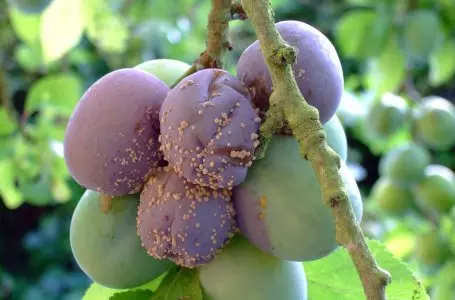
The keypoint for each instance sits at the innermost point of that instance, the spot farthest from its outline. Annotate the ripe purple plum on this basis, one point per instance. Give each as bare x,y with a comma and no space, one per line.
209,129
111,141
317,70
279,207
183,222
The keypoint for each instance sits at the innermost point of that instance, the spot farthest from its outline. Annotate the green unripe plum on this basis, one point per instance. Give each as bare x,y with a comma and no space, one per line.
280,209
386,116
437,189
434,123
391,197
405,164
431,249
30,6
242,271
338,139
168,70
106,246
444,285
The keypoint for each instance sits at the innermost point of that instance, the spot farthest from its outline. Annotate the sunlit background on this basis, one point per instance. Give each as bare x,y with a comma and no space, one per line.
51,51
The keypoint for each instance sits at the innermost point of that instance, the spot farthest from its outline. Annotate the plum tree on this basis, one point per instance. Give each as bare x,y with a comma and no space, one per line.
434,121
386,116
30,6
111,140
436,191
242,271
405,164
106,246
431,249
392,197
209,129
184,222
284,186
317,71
168,70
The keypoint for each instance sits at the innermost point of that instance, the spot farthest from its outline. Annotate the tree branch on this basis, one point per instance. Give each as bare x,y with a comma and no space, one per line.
287,103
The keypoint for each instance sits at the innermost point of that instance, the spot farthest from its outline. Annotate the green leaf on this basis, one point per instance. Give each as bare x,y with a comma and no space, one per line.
8,191
62,26
26,26
442,64
133,295
386,72
7,123
362,33
28,57
335,277
104,28
62,91
182,283
422,33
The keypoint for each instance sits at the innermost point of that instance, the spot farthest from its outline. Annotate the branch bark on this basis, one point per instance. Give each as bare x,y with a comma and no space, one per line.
288,104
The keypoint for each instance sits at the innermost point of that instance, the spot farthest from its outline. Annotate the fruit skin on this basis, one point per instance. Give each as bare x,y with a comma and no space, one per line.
30,6
337,137
106,246
111,141
186,223
391,197
317,70
436,191
386,116
431,250
209,129
434,123
283,186
405,164
242,271
168,70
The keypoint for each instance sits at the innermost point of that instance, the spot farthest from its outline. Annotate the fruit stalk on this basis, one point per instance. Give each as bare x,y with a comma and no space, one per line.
288,104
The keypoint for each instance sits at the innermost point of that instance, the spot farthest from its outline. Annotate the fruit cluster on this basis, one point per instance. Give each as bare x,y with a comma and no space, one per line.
179,166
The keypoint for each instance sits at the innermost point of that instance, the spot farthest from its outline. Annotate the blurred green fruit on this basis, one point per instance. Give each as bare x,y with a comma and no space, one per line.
386,116
434,123
444,284
30,6
391,197
405,164
437,189
431,249
106,246
168,70
422,33
242,271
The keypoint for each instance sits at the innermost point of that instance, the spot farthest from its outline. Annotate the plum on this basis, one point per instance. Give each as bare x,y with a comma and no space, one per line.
106,247
434,122
111,141
168,70
336,137
209,129
392,197
183,222
405,164
436,191
279,206
242,271
431,249
317,71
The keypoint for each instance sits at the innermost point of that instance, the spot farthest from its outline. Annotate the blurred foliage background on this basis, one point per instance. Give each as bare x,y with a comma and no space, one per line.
51,51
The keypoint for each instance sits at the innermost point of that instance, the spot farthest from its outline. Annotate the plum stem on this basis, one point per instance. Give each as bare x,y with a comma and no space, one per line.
287,104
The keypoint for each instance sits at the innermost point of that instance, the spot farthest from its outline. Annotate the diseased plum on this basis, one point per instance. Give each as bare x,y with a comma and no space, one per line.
242,271
386,116
183,222
436,191
392,197
434,123
106,247
209,129
111,142
279,206
405,164
317,71
168,70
